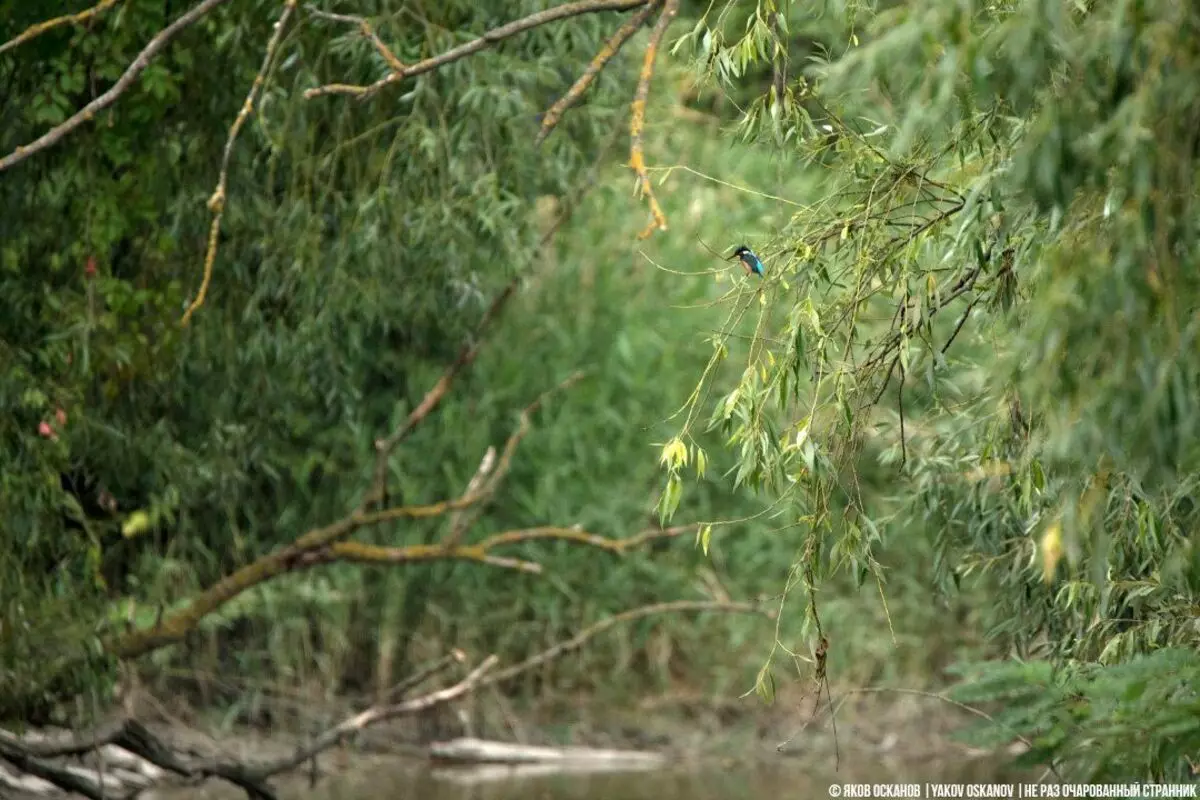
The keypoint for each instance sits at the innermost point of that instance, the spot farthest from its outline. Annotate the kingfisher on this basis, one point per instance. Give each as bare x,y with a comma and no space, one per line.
750,261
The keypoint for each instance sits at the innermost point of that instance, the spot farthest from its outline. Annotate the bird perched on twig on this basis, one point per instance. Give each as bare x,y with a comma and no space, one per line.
750,261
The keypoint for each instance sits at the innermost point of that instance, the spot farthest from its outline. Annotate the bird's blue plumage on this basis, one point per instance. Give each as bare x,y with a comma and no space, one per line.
751,262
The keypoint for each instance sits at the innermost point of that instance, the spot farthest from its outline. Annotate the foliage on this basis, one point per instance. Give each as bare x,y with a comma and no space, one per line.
360,243
980,334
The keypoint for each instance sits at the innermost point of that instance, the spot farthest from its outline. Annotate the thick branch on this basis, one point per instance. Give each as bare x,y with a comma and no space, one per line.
216,203
488,39
33,31
322,545
56,134
637,118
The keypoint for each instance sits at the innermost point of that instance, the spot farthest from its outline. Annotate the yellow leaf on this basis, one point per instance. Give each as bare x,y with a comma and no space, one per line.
1052,551
137,523
705,537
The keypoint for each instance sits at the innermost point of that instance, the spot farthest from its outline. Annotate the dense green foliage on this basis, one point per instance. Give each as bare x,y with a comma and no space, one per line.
360,244
972,365
981,332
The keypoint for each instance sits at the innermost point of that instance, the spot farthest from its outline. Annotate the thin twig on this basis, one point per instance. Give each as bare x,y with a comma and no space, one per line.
216,203
488,39
395,64
88,112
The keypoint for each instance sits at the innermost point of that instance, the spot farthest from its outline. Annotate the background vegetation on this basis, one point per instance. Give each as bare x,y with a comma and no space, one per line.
964,392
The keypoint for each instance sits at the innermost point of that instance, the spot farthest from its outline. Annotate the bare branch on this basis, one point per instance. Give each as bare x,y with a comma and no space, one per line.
580,639
365,28
488,39
637,119
252,777
374,715
216,203
33,31
466,356
461,520
606,53
88,112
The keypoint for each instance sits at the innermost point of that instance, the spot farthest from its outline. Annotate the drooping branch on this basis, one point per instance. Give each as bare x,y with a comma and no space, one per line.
88,112
216,203
637,118
36,30
506,31
601,59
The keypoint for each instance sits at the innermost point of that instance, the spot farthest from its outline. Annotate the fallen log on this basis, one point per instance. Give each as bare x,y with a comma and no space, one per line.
482,751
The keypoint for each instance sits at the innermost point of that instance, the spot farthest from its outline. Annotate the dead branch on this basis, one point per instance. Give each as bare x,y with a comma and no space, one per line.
367,31
637,118
29,754
488,39
461,520
133,736
405,686
580,639
601,59
216,203
88,112
466,356
33,31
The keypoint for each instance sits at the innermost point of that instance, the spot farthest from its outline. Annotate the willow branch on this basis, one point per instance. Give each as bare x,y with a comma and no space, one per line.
597,64
88,112
637,118
488,39
36,30
216,203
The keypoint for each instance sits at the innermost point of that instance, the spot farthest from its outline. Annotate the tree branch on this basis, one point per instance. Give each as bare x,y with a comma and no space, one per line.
33,31
488,39
367,31
601,59
637,118
580,639
216,203
252,777
88,112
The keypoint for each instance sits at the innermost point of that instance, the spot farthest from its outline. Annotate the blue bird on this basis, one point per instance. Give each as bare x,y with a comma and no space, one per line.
750,261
